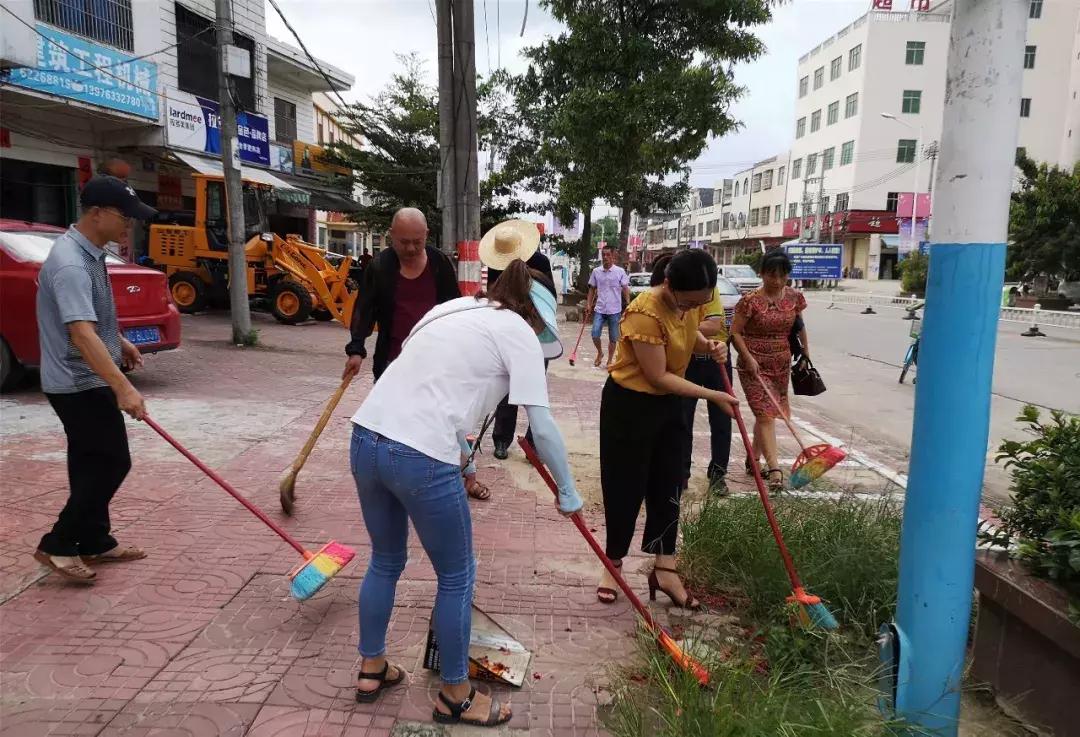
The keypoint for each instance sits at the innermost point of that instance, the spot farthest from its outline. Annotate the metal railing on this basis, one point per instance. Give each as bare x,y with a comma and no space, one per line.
106,21
1034,317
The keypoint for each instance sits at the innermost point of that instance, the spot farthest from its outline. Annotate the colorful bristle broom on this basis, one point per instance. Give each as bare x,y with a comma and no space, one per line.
573,354
814,461
317,568
664,639
809,607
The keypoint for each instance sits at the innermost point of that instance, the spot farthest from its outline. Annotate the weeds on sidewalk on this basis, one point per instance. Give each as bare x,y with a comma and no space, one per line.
772,679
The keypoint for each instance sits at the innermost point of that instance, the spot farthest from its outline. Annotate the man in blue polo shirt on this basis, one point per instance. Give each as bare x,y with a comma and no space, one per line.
82,350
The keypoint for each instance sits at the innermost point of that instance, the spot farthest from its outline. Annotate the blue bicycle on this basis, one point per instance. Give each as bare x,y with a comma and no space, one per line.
911,358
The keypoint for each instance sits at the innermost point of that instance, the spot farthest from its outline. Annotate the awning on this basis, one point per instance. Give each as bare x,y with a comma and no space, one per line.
212,167
324,196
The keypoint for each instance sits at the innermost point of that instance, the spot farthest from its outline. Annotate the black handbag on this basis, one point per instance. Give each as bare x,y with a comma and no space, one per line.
805,379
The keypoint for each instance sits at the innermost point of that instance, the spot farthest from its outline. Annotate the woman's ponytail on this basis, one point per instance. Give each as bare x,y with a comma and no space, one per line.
511,291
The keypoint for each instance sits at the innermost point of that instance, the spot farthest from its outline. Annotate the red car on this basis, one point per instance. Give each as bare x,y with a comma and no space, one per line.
147,315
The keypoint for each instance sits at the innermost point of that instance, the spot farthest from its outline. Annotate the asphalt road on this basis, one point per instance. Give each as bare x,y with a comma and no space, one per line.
859,357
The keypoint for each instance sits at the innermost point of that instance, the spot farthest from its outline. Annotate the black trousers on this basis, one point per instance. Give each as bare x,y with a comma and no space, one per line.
706,372
641,454
98,461
502,432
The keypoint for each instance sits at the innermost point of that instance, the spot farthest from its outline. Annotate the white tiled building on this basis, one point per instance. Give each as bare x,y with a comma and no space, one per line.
86,88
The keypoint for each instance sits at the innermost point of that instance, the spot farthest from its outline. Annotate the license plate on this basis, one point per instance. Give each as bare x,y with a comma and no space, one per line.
143,336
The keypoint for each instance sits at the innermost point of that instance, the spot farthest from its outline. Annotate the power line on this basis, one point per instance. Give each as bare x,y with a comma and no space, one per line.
487,38
307,53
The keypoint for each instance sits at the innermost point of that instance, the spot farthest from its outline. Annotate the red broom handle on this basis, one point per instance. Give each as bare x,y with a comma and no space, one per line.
530,453
580,335
780,410
789,564
227,487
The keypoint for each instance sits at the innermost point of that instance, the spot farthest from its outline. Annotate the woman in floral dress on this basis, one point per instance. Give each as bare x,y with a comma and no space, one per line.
763,320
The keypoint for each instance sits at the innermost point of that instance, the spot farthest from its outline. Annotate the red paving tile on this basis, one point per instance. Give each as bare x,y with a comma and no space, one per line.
202,638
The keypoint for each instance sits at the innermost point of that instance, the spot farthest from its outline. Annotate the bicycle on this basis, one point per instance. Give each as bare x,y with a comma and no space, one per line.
911,357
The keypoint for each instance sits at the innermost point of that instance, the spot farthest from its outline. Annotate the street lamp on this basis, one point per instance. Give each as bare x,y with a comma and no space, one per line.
918,166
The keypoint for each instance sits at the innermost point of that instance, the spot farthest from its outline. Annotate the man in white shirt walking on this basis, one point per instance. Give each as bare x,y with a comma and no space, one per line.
609,290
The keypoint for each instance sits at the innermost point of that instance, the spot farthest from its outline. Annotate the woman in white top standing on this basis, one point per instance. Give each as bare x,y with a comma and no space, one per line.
460,360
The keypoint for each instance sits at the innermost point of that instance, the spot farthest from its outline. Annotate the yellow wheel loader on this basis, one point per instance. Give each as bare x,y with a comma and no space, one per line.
293,279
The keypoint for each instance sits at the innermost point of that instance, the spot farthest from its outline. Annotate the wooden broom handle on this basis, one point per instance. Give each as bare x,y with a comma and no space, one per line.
780,410
321,424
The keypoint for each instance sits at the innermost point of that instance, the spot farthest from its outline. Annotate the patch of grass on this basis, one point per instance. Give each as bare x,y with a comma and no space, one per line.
790,699
846,552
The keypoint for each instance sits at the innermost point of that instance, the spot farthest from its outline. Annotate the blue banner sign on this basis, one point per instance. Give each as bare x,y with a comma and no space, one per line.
815,260
72,67
194,123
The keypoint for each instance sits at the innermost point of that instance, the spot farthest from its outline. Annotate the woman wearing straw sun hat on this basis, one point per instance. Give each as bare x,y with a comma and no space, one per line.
500,245
406,450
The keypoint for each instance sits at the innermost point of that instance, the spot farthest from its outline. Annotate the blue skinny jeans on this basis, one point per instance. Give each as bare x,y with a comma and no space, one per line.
396,484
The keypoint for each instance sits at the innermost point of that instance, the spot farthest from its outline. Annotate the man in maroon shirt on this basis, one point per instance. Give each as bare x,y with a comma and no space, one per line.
401,284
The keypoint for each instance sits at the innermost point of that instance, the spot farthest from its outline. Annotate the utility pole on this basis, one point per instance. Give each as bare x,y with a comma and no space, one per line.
932,154
467,191
447,160
925,648
802,209
820,201
234,188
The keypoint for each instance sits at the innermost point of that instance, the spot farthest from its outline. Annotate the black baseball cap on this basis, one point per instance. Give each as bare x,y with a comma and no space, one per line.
106,191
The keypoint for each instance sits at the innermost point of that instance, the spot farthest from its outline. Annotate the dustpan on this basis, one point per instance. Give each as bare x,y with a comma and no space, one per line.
494,654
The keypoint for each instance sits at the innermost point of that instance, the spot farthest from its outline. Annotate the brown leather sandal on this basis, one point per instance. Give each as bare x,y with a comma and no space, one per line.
119,554
75,572
457,712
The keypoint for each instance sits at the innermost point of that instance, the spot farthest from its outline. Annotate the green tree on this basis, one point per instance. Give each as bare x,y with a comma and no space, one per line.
617,105
1044,223
397,164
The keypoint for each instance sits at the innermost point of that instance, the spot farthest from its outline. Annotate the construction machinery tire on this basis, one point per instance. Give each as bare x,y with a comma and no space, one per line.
188,291
290,303
322,314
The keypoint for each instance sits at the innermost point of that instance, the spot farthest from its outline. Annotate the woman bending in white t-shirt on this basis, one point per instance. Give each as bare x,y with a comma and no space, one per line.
459,361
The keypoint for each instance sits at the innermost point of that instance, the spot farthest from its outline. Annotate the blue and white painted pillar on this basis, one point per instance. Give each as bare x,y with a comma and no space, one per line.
956,358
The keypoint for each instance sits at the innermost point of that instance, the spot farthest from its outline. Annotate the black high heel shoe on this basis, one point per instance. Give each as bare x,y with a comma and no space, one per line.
608,595
690,603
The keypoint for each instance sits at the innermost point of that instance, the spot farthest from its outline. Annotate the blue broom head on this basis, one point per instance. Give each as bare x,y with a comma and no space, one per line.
314,573
821,617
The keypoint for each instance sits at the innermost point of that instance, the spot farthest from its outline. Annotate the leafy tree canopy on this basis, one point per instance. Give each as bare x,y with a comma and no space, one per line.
1044,222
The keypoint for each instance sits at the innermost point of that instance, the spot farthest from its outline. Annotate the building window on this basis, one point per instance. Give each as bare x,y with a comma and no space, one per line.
196,59
736,189
823,206
746,185
757,182
916,50
776,214
107,21
753,217
796,168
800,127
911,102
285,121
780,176
834,68
847,153
854,58
793,210
834,112
700,229
319,136
1025,107
766,180
827,157
819,77
815,121
1035,9
1029,57
841,202
851,105
804,86
891,200
811,164
905,151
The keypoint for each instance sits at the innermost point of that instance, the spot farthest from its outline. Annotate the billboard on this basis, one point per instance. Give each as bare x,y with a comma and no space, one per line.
815,260
194,123
78,69
308,159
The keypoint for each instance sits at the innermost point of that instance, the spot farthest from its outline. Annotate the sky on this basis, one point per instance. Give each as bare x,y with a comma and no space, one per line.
363,37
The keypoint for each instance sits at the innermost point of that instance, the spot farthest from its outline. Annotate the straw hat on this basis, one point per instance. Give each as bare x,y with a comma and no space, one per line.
508,241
